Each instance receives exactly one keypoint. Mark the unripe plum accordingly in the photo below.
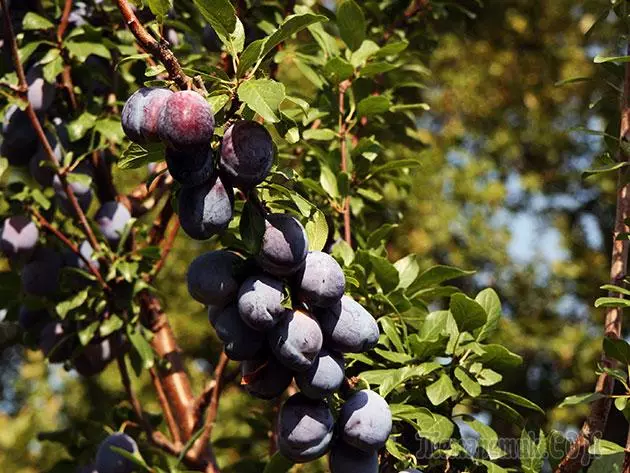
(40, 93)
(347, 459)
(207, 209)
(305, 428)
(40, 277)
(19, 237)
(321, 280)
(141, 113)
(107, 460)
(365, 421)
(296, 340)
(57, 342)
(265, 379)
(348, 327)
(241, 342)
(212, 278)
(246, 153)
(284, 245)
(186, 121)
(260, 302)
(191, 166)
(112, 218)
(324, 377)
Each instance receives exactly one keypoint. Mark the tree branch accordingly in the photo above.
(63, 23)
(343, 146)
(166, 408)
(167, 246)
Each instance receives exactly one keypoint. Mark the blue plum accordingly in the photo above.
(305, 428)
(19, 140)
(321, 281)
(365, 421)
(324, 377)
(112, 218)
(96, 355)
(186, 121)
(19, 237)
(260, 302)
(212, 278)
(192, 166)
(40, 277)
(296, 340)
(40, 93)
(80, 185)
(86, 250)
(246, 154)
(284, 245)
(141, 113)
(347, 459)
(107, 460)
(39, 166)
(348, 327)
(241, 342)
(266, 378)
(57, 342)
(207, 209)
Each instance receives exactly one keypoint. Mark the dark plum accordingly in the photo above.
(57, 342)
(96, 355)
(365, 421)
(212, 278)
(348, 327)
(296, 340)
(260, 302)
(186, 121)
(190, 167)
(347, 459)
(284, 245)
(141, 113)
(324, 377)
(80, 185)
(19, 237)
(19, 140)
(107, 460)
(321, 281)
(112, 218)
(86, 250)
(40, 93)
(241, 342)
(265, 379)
(207, 209)
(32, 321)
(305, 428)
(246, 154)
(40, 277)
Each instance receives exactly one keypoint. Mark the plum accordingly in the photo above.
(241, 342)
(141, 113)
(207, 209)
(86, 250)
(296, 340)
(40, 169)
(19, 140)
(324, 377)
(112, 218)
(347, 459)
(246, 154)
(212, 278)
(186, 121)
(57, 342)
(265, 379)
(321, 281)
(79, 182)
(40, 277)
(107, 460)
(284, 245)
(32, 321)
(260, 302)
(304, 428)
(348, 327)
(365, 421)
(96, 355)
(40, 93)
(19, 237)
(190, 167)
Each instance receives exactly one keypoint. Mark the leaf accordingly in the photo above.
(137, 156)
(328, 180)
(488, 438)
(604, 447)
(489, 301)
(602, 59)
(160, 8)
(468, 314)
(498, 357)
(222, 17)
(319, 134)
(351, 23)
(317, 231)
(618, 349)
(278, 464)
(612, 302)
(581, 399)
(409, 106)
(617, 289)
(608, 464)
(263, 96)
(437, 275)
(471, 386)
(373, 105)
(81, 50)
(87, 333)
(385, 272)
(606, 168)
(441, 390)
(368, 49)
(33, 21)
(78, 128)
(394, 166)
(142, 349)
(517, 400)
(389, 327)
(338, 69)
(62, 308)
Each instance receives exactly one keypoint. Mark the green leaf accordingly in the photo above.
(328, 180)
(222, 17)
(385, 272)
(604, 447)
(33, 21)
(81, 50)
(468, 314)
(488, 438)
(498, 357)
(142, 349)
(263, 96)
(489, 301)
(373, 105)
(517, 400)
(338, 69)
(278, 464)
(441, 390)
(389, 327)
(612, 302)
(617, 289)
(351, 23)
(471, 386)
(160, 8)
(137, 156)
(78, 128)
(394, 166)
(74, 302)
(53, 69)
(368, 49)
(581, 399)
(608, 464)
(437, 275)
(319, 134)
(602, 59)
(618, 349)
(217, 102)
(409, 106)
(86, 334)
(317, 231)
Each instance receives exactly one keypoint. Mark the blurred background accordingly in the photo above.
(501, 190)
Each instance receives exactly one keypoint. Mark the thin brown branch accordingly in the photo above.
(131, 395)
(63, 23)
(273, 433)
(66, 80)
(595, 423)
(160, 224)
(166, 408)
(169, 241)
(343, 145)
(159, 50)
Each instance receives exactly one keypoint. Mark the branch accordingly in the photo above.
(166, 247)
(152, 46)
(63, 23)
(166, 408)
(595, 423)
(343, 130)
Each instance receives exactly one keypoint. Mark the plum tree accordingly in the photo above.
(40, 276)
(241, 342)
(296, 340)
(266, 378)
(305, 428)
(365, 421)
(19, 140)
(321, 280)
(348, 327)
(324, 377)
(19, 237)
(192, 166)
(57, 342)
(186, 121)
(141, 112)
(212, 278)
(284, 245)
(260, 301)
(113, 462)
(40, 93)
(246, 154)
(207, 209)
(112, 218)
(345, 458)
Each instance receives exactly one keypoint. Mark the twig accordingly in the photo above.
(63, 23)
(595, 423)
(152, 46)
(166, 408)
(135, 403)
(167, 246)
(343, 129)
(160, 224)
